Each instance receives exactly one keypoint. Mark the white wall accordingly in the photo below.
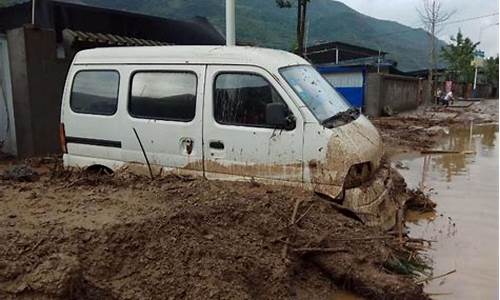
(7, 125)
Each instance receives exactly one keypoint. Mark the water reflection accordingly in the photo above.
(465, 188)
(483, 140)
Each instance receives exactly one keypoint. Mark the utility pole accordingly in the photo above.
(477, 62)
(475, 81)
(33, 9)
(306, 36)
(230, 23)
(433, 64)
(301, 22)
(378, 60)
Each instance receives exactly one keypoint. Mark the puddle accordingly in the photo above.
(465, 188)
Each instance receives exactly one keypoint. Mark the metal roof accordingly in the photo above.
(107, 39)
(61, 14)
(329, 52)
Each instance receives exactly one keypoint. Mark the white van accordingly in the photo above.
(220, 112)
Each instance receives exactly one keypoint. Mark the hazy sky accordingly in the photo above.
(404, 11)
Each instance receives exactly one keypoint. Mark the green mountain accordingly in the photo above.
(262, 23)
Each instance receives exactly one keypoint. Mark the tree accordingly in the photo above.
(301, 21)
(459, 54)
(491, 70)
(432, 16)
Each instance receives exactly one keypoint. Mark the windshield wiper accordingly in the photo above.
(341, 118)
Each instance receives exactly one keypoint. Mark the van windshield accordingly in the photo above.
(317, 94)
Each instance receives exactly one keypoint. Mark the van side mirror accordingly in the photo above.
(277, 116)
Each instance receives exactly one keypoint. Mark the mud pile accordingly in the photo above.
(82, 236)
(411, 132)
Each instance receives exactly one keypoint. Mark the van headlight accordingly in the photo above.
(358, 174)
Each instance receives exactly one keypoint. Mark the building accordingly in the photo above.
(37, 45)
(339, 52)
(366, 78)
(345, 66)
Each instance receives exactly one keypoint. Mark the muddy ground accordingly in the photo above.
(420, 130)
(81, 235)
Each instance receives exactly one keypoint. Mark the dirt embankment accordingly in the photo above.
(420, 130)
(81, 236)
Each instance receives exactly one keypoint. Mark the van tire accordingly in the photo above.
(99, 170)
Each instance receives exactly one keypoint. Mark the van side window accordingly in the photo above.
(241, 99)
(163, 96)
(95, 92)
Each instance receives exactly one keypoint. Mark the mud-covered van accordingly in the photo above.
(220, 112)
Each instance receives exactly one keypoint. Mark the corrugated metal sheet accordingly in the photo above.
(107, 39)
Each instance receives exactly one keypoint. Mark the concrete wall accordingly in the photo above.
(466, 90)
(7, 125)
(398, 93)
(37, 84)
(373, 86)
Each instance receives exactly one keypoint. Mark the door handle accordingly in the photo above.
(217, 145)
(188, 145)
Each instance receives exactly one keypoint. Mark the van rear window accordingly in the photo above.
(95, 92)
(163, 96)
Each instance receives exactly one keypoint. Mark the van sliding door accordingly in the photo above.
(165, 106)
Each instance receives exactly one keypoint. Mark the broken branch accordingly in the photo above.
(331, 250)
(72, 183)
(144, 153)
(363, 238)
(304, 214)
(446, 152)
(292, 221)
(436, 277)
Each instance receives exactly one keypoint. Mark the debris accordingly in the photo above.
(418, 201)
(320, 250)
(436, 277)
(304, 214)
(421, 129)
(388, 111)
(144, 154)
(437, 130)
(402, 166)
(209, 236)
(461, 106)
(446, 152)
(292, 222)
(368, 238)
(20, 173)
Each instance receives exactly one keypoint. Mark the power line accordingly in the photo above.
(469, 19)
(444, 23)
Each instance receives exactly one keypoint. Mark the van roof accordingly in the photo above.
(236, 55)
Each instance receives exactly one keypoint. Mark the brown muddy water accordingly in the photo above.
(465, 227)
